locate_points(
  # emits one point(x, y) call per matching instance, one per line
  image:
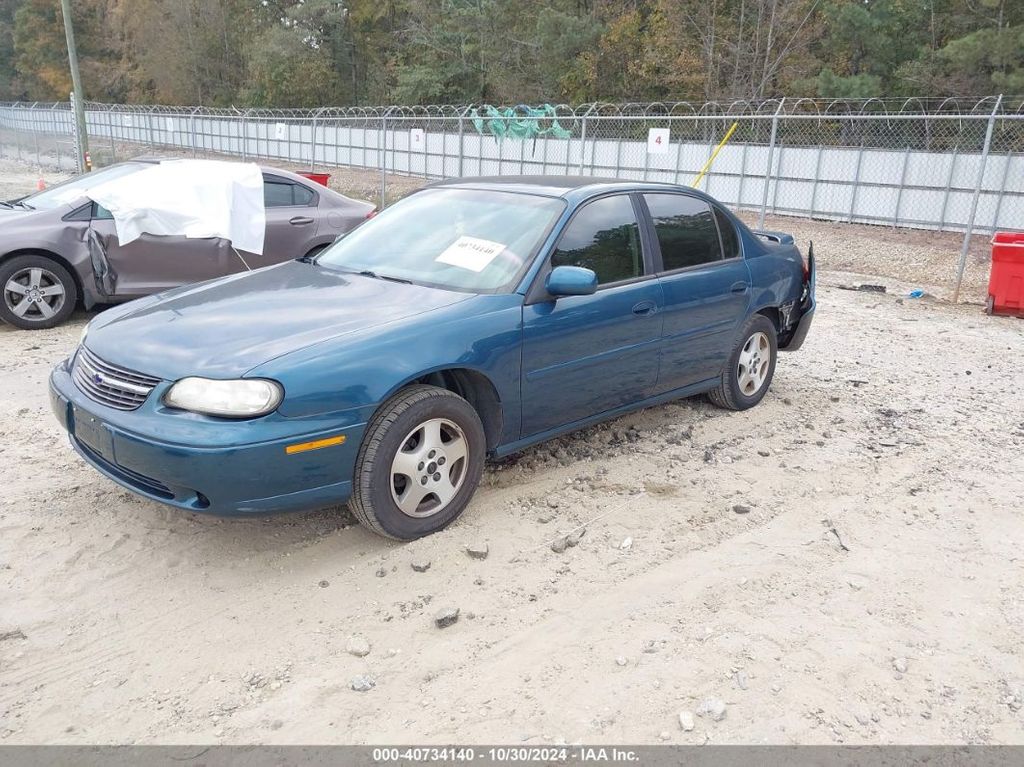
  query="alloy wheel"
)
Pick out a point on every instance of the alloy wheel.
point(429, 467)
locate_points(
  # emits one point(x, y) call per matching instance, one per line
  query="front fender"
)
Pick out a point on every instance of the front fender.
point(357, 373)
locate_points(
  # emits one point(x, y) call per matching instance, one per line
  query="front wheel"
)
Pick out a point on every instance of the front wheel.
point(37, 292)
point(749, 370)
point(419, 464)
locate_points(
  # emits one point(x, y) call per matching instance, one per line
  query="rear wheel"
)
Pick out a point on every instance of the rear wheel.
point(750, 368)
point(419, 463)
point(37, 292)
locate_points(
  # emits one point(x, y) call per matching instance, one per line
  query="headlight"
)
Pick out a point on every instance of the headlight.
point(241, 398)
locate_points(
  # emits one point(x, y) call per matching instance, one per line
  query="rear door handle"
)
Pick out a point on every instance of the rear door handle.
point(644, 308)
point(739, 287)
point(300, 220)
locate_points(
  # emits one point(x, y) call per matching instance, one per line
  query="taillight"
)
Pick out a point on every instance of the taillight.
point(371, 214)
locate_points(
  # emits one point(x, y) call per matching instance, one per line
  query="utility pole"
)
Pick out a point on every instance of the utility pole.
point(76, 82)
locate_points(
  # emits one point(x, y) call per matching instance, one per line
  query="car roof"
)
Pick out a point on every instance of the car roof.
point(568, 187)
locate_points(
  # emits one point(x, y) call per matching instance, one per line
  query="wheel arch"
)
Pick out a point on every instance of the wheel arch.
point(52, 255)
point(773, 314)
point(474, 387)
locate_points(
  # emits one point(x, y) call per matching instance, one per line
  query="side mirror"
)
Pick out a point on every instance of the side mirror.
point(571, 281)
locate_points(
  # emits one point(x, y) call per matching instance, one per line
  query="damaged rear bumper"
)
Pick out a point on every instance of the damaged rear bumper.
point(808, 304)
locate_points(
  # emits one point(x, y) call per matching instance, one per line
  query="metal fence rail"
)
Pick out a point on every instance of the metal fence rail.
point(946, 165)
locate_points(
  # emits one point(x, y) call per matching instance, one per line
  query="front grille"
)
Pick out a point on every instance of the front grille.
point(108, 384)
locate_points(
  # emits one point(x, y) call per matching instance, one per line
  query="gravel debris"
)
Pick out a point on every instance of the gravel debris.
point(686, 723)
point(712, 708)
point(358, 646)
point(478, 550)
point(363, 683)
point(446, 617)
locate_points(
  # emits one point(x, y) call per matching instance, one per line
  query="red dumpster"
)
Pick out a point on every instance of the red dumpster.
point(320, 178)
point(1006, 280)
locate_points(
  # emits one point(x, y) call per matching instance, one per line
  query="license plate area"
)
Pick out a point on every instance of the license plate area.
point(93, 434)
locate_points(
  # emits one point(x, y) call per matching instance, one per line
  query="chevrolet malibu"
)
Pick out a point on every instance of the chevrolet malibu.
point(470, 320)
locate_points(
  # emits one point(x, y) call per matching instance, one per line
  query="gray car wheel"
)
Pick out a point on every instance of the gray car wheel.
point(419, 463)
point(37, 292)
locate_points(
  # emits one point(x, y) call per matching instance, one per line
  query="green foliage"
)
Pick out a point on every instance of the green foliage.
point(338, 52)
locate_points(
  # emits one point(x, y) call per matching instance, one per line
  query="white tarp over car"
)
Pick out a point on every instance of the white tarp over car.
point(190, 198)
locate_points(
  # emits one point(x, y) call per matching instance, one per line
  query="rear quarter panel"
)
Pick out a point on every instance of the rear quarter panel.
point(776, 272)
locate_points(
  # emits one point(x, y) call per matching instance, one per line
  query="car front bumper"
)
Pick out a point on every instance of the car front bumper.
point(186, 467)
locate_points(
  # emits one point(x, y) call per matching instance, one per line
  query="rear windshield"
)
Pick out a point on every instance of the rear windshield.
point(461, 239)
point(69, 191)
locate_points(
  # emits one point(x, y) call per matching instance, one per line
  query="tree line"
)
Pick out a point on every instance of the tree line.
point(305, 53)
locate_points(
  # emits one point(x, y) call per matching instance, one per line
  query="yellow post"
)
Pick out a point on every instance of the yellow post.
point(714, 154)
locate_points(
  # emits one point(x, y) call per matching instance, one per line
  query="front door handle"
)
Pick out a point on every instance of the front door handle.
point(300, 220)
point(644, 308)
point(739, 287)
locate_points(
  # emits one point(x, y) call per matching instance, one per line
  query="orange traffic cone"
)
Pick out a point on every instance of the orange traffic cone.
point(40, 184)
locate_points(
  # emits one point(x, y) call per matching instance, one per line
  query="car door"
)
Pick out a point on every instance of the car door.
point(153, 263)
point(706, 285)
point(292, 221)
point(585, 355)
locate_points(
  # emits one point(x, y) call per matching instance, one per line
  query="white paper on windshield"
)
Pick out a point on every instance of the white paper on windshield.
point(470, 253)
point(190, 198)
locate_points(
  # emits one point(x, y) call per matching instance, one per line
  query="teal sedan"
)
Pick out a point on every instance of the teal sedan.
point(470, 320)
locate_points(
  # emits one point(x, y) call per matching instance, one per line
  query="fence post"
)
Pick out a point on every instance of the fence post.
point(245, 131)
point(856, 182)
point(462, 130)
point(903, 183)
point(312, 152)
point(383, 144)
point(974, 201)
point(35, 132)
point(583, 138)
point(949, 186)
point(768, 168)
point(192, 129)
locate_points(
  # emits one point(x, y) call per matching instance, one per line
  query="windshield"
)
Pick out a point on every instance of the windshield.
point(462, 239)
point(69, 191)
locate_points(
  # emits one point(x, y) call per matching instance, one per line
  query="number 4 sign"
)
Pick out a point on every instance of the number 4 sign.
point(657, 141)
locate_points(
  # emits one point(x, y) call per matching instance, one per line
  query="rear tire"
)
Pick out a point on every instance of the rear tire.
point(748, 372)
point(419, 463)
point(36, 292)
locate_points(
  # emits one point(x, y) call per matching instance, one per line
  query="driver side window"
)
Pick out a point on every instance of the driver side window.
point(604, 236)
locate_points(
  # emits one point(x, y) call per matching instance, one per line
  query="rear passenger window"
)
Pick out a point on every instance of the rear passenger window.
point(730, 239)
point(301, 195)
point(686, 230)
point(604, 236)
point(276, 194)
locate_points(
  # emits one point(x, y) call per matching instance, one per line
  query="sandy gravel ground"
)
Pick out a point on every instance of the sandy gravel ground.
point(840, 564)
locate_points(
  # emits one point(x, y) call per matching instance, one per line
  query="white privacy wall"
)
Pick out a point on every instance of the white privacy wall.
point(929, 190)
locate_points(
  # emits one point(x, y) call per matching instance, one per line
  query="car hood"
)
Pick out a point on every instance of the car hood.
point(223, 328)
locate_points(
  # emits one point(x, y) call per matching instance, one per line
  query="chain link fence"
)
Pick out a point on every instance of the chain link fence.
point(945, 165)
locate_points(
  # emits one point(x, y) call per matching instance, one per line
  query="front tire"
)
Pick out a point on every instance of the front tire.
point(35, 292)
point(750, 368)
point(419, 463)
